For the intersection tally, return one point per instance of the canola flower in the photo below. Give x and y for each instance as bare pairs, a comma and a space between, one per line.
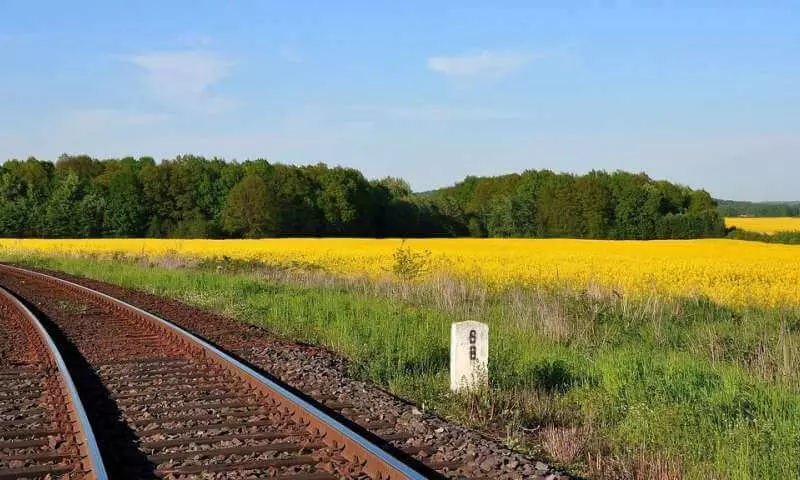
730, 272
768, 225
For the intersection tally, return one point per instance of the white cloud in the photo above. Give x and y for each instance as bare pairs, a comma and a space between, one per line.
486, 63
185, 78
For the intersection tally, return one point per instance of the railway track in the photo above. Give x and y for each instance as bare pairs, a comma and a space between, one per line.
44, 430
164, 403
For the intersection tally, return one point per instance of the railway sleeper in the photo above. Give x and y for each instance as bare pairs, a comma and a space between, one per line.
35, 472
20, 368
131, 392
22, 395
149, 361
23, 422
28, 433
239, 450
195, 406
54, 456
175, 413
162, 382
15, 444
203, 428
26, 387
10, 409
142, 402
194, 372
177, 442
188, 418
243, 466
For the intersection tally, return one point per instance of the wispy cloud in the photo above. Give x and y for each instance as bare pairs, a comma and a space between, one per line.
186, 78
485, 63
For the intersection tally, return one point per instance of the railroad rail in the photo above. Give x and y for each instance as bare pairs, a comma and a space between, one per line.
44, 430
183, 407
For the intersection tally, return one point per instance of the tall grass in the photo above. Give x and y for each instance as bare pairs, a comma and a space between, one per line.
609, 386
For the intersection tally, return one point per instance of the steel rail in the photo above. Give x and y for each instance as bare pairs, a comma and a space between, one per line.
91, 458
356, 447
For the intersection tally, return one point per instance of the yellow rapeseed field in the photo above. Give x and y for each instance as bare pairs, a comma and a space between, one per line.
768, 225
731, 272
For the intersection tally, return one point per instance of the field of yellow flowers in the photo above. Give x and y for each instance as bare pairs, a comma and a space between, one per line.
768, 225
730, 272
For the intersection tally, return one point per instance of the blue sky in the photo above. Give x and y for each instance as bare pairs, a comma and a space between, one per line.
427, 90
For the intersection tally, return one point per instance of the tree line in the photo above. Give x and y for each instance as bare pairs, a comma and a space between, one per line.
730, 208
599, 205
195, 197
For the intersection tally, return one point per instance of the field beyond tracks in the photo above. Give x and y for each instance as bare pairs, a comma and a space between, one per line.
767, 225
632, 360
729, 272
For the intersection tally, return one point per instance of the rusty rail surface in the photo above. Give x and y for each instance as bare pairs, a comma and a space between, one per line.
48, 434
147, 387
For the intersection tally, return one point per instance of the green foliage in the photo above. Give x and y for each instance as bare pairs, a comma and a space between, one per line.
788, 238
191, 196
396, 187
409, 264
125, 211
346, 202
500, 221
596, 205
252, 209
61, 207
729, 208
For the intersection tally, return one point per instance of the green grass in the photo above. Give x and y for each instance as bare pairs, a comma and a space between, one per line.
708, 388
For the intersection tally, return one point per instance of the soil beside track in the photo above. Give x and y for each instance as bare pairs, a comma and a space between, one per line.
453, 451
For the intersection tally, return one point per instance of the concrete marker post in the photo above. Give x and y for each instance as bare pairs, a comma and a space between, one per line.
469, 356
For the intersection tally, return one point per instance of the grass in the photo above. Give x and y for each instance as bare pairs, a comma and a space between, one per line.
607, 386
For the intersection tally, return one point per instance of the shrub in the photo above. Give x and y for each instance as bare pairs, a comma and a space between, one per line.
410, 265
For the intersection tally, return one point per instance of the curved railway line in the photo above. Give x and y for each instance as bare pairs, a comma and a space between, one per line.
44, 430
163, 402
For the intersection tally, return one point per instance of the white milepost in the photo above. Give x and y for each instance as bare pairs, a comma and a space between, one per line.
469, 355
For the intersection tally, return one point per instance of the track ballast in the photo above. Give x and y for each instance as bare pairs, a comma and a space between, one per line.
166, 404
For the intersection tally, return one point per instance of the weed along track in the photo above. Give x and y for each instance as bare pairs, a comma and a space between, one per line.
166, 404
44, 431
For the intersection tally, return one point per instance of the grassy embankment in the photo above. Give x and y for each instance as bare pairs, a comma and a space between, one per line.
609, 386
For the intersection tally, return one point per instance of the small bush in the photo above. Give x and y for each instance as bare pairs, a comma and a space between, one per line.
410, 265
